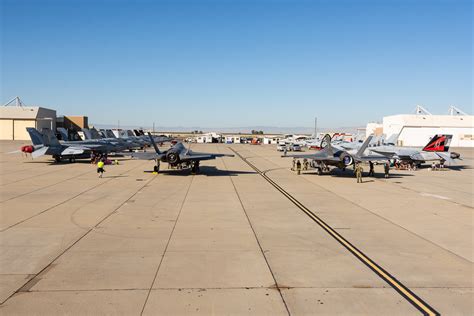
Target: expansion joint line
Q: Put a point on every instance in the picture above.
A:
(258, 241)
(404, 291)
(166, 247)
(30, 282)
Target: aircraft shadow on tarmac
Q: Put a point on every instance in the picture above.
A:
(203, 170)
(349, 173)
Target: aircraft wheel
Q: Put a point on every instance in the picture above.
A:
(156, 169)
(57, 158)
(320, 171)
(72, 160)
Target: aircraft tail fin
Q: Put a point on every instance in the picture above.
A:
(157, 150)
(326, 144)
(364, 146)
(87, 133)
(392, 140)
(49, 138)
(439, 143)
(95, 133)
(63, 132)
(35, 135)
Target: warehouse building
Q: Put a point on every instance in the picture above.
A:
(417, 129)
(15, 119)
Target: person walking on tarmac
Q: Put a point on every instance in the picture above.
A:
(371, 170)
(100, 168)
(298, 167)
(386, 168)
(294, 164)
(358, 171)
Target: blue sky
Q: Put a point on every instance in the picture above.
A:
(237, 63)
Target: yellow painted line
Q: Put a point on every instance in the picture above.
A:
(409, 295)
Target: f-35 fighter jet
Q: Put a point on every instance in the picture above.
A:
(177, 156)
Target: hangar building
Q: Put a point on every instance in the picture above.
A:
(15, 119)
(417, 129)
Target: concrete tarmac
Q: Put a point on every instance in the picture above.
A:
(228, 242)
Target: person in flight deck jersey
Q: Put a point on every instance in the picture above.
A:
(100, 168)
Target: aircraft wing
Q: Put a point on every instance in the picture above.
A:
(387, 153)
(146, 156)
(201, 156)
(371, 158)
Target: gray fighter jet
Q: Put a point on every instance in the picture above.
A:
(46, 143)
(437, 149)
(177, 156)
(331, 155)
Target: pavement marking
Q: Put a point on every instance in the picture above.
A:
(435, 196)
(404, 291)
(167, 245)
(258, 242)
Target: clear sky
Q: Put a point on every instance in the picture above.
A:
(237, 63)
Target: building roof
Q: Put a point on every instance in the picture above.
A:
(25, 112)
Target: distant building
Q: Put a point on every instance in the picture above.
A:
(15, 119)
(209, 138)
(375, 129)
(75, 123)
(417, 129)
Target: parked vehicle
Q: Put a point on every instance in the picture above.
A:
(295, 147)
(281, 147)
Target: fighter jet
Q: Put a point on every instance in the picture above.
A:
(177, 156)
(437, 149)
(46, 143)
(331, 155)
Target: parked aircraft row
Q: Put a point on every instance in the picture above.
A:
(347, 154)
(333, 152)
(46, 143)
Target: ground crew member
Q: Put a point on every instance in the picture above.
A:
(358, 171)
(285, 151)
(386, 169)
(298, 167)
(100, 168)
(305, 164)
(371, 170)
(294, 164)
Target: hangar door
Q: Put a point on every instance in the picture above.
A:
(6, 129)
(19, 128)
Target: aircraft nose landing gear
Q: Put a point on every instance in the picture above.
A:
(156, 168)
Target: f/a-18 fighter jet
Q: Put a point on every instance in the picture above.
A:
(437, 149)
(331, 155)
(46, 143)
(177, 156)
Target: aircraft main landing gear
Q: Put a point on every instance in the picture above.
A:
(195, 167)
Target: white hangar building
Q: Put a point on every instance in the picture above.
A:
(15, 119)
(417, 129)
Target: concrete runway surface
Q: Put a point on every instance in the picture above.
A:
(245, 236)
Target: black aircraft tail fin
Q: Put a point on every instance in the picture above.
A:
(36, 137)
(326, 144)
(364, 146)
(439, 143)
(157, 150)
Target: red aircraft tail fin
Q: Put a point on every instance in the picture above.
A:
(439, 143)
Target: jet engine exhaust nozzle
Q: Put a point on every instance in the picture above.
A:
(172, 157)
